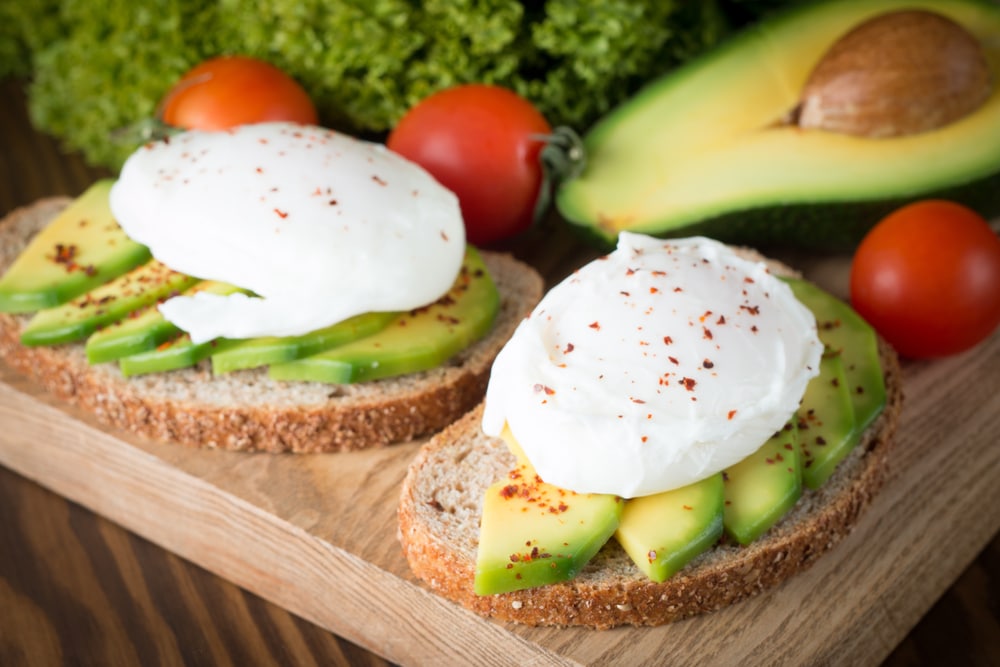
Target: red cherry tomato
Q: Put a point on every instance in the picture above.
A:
(235, 90)
(481, 142)
(927, 277)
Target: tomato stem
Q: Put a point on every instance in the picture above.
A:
(562, 158)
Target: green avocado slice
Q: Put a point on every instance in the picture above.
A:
(73, 321)
(828, 430)
(414, 341)
(707, 149)
(661, 533)
(81, 248)
(264, 351)
(848, 335)
(533, 533)
(763, 486)
(142, 330)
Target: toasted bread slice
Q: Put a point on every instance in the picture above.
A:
(247, 410)
(441, 505)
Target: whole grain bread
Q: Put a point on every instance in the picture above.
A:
(247, 410)
(441, 506)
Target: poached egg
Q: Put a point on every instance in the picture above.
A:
(320, 227)
(653, 367)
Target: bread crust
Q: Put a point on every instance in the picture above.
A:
(248, 411)
(438, 531)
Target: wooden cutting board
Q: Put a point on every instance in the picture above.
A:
(317, 534)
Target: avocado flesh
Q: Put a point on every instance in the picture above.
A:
(827, 427)
(143, 330)
(264, 351)
(81, 248)
(761, 488)
(418, 340)
(847, 334)
(704, 150)
(533, 533)
(172, 355)
(661, 533)
(73, 321)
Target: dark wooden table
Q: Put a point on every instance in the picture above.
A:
(78, 589)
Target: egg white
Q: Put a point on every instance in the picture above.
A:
(320, 227)
(653, 368)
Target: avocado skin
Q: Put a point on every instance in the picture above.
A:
(830, 226)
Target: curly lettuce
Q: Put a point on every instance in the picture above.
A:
(363, 62)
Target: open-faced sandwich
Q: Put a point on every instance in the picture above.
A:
(274, 287)
(676, 426)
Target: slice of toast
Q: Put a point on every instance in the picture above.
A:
(441, 505)
(247, 410)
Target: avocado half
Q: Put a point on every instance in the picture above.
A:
(704, 149)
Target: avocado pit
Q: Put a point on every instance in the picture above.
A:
(900, 73)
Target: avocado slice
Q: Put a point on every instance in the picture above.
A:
(661, 533)
(827, 428)
(70, 322)
(142, 330)
(81, 248)
(533, 533)
(254, 352)
(414, 341)
(847, 334)
(171, 355)
(763, 486)
(707, 150)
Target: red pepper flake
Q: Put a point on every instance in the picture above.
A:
(687, 507)
(753, 310)
(689, 383)
(65, 253)
(731, 414)
(645, 438)
(281, 214)
(674, 361)
(332, 202)
(654, 290)
(637, 400)
(595, 325)
(624, 293)
(706, 333)
(721, 320)
(569, 348)
(678, 289)
(542, 388)
(259, 170)
(708, 363)
(444, 236)
(820, 440)
(748, 279)
(378, 180)
(667, 340)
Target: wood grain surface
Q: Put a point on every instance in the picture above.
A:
(76, 588)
